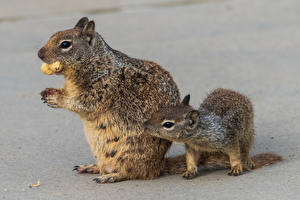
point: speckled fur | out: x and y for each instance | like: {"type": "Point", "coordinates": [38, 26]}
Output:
{"type": "Point", "coordinates": [114, 95]}
{"type": "Point", "coordinates": [222, 125]}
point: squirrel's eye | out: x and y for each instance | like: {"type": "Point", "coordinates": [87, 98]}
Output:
{"type": "Point", "coordinates": [168, 124]}
{"type": "Point", "coordinates": [65, 44]}
{"type": "Point", "coordinates": [192, 122]}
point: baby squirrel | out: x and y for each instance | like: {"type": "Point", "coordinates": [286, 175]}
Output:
{"type": "Point", "coordinates": [223, 123]}
{"type": "Point", "coordinates": [114, 95]}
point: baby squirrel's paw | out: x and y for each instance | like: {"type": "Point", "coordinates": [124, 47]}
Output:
{"type": "Point", "coordinates": [189, 174]}
{"type": "Point", "coordinates": [250, 164]}
{"type": "Point", "coordinates": [90, 169]}
{"type": "Point", "coordinates": [108, 178]}
{"type": "Point", "coordinates": [236, 170]}
{"type": "Point", "coordinates": [51, 97]}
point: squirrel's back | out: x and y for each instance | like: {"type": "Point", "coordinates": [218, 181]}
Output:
{"type": "Point", "coordinates": [220, 101]}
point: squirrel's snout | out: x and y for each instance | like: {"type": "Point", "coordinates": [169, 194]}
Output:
{"type": "Point", "coordinates": [147, 125]}
{"type": "Point", "coordinates": [41, 53]}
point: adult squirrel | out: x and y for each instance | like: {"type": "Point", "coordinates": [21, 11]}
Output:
{"type": "Point", "coordinates": [222, 126]}
{"type": "Point", "coordinates": [114, 95]}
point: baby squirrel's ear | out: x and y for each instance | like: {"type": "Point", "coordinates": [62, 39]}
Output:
{"type": "Point", "coordinates": [186, 100]}
{"type": "Point", "coordinates": [88, 31]}
{"type": "Point", "coordinates": [193, 117]}
{"type": "Point", "coordinates": [81, 23]}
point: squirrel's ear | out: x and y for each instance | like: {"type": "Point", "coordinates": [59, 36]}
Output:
{"type": "Point", "coordinates": [192, 117]}
{"type": "Point", "coordinates": [88, 31]}
{"type": "Point", "coordinates": [186, 100]}
{"type": "Point", "coordinates": [81, 23]}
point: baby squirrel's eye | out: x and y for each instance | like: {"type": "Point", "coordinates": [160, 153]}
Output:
{"type": "Point", "coordinates": [168, 124]}
{"type": "Point", "coordinates": [192, 122]}
{"type": "Point", "coordinates": [65, 44]}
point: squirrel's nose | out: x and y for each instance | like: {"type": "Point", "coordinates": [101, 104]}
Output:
{"type": "Point", "coordinates": [147, 123]}
{"type": "Point", "coordinates": [41, 53]}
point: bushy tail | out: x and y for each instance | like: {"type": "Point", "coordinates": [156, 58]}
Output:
{"type": "Point", "coordinates": [265, 159]}
{"type": "Point", "coordinates": [177, 164]}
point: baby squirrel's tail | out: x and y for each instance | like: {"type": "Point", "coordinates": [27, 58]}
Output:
{"type": "Point", "coordinates": [265, 159]}
{"type": "Point", "coordinates": [177, 164]}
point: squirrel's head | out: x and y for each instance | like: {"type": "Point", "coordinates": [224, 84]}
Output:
{"type": "Point", "coordinates": [72, 46]}
{"type": "Point", "coordinates": [173, 123]}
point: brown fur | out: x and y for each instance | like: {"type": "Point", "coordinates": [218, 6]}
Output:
{"type": "Point", "coordinates": [114, 95]}
{"type": "Point", "coordinates": [221, 130]}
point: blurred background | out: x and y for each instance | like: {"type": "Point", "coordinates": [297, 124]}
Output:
{"type": "Point", "coordinates": [251, 46]}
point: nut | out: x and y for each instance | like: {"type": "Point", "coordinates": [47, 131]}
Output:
{"type": "Point", "coordinates": [51, 68]}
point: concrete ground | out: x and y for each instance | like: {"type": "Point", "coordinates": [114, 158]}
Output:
{"type": "Point", "coordinates": [252, 46]}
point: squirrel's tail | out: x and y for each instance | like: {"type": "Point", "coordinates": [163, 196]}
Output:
{"type": "Point", "coordinates": [265, 159]}
{"type": "Point", "coordinates": [177, 164]}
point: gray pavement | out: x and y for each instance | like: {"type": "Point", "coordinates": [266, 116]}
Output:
{"type": "Point", "coordinates": [252, 46]}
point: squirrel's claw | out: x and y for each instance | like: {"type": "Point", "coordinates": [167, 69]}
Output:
{"type": "Point", "coordinates": [104, 179]}
{"type": "Point", "coordinates": [49, 91]}
{"type": "Point", "coordinates": [75, 168]}
{"type": "Point", "coordinates": [90, 169]}
{"type": "Point", "coordinates": [108, 178]}
{"type": "Point", "coordinates": [190, 174]}
{"type": "Point", "coordinates": [250, 164]}
{"type": "Point", "coordinates": [52, 105]}
{"type": "Point", "coordinates": [236, 170]}
{"type": "Point", "coordinates": [50, 97]}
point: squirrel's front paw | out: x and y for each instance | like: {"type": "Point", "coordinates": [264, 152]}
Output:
{"type": "Point", "coordinates": [90, 169]}
{"type": "Point", "coordinates": [51, 96]}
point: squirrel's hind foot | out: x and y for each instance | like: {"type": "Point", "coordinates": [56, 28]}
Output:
{"type": "Point", "coordinates": [109, 178]}
{"type": "Point", "coordinates": [250, 164]}
{"type": "Point", "coordinates": [236, 170]}
{"type": "Point", "coordinates": [189, 174]}
{"type": "Point", "coordinates": [90, 169]}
